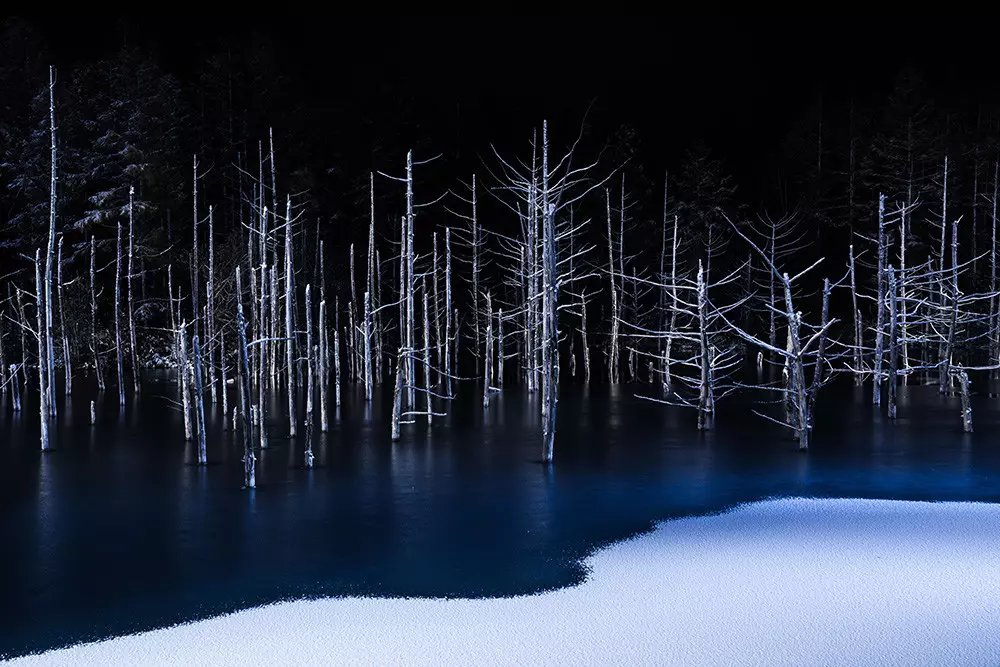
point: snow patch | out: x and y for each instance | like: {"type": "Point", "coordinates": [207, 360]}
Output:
{"type": "Point", "coordinates": [779, 582]}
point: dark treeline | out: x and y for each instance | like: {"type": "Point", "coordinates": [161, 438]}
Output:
{"type": "Point", "coordinates": [173, 211]}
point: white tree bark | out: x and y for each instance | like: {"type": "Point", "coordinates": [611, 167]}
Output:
{"type": "Point", "coordinates": [67, 362]}
{"type": "Point", "coordinates": [118, 317]}
{"type": "Point", "coordinates": [93, 321]}
{"type": "Point", "coordinates": [613, 345]}
{"type": "Point", "coordinates": [249, 460]}
{"type": "Point", "coordinates": [131, 307]}
{"type": "Point", "coordinates": [183, 369]}
{"type": "Point", "coordinates": [199, 402]}
{"type": "Point", "coordinates": [43, 372]}
{"type": "Point", "coordinates": [195, 258]}
{"type": "Point", "coordinates": [49, 347]}
{"type": "Point", "coordinates": [880, 305]}
{"type": "Point", "coordinates": [289, 331]}
{"type": "Point", "coordinates": [447, 308]}
{"type": "Point", "coordinates": [324, 367]}
{"type": "Point", "coordinates": [309, 356]}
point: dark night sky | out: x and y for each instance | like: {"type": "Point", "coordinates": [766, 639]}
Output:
{"type": "Point", "coordinates": [736, 83]}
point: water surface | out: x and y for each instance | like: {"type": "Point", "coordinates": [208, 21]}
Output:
{"type": "Point", "coordinates": [118, 531]}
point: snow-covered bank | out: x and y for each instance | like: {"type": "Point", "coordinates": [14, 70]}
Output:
{"type": "Point", "coordinates": [781, 582]}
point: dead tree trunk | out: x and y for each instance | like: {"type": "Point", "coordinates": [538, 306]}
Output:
{"type": "Point", "coordinates": [249, 460]}
{"type": "Point", "coordinates": [879, 306]}
{"type": "Point", "coordinates": [309, 379]}
{"type": "Point", "coordinates": [427, 355]}
{"type": "Point", "coordinates": [43, 372]}
{"type": "Point", "coordinates": [447, 308]}
{"type": "Point", "coordinates": [963, 383]}
{"type": "Point", "coordinates": [118, 318]}
{"type": "Point", "coordinates": [309, 357]}
{"type": "Point", "coordinates": [613, 349]}
{"type": "Point", "coordinates": [324, 366]}
{"type": "Point", "coordinates": [131, 306]}
{"type": "Point", "coordinates": [93, 321]}
{"type": "Point", "coordinates": [397, 395]}
{"type": "Point", "coordinates": [488, 356]}
{"type": "Point", "coordinates": [289, 330]}
{"type": "Point", "coordinates": [893, 342]}
{"type": "Point", "coordinates": [704, 389]}
{"type": "Point", "coordinates": [857, 352]}
{"type": "Point", "coordinates": [183, 369]}
{"type": "Point", "coordinates": [49, 347]}
{"type": "Point", "coordinates": [67, 362]}
{"type": "Point", "coordinates": [199, 402]}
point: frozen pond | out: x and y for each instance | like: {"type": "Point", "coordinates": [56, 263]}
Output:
{"type": "Point", "coordinates": [117, 531]}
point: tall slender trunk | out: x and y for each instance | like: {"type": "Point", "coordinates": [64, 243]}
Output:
{"type": "Point", "coordinates": [67, 362]}
{"type": "Point", "coordinates": [893, 342]}
{"type": "Point", "coordinates": [880, 305]}
{"type": "Point", "coordinates": [584, 347]}
{"type": "Point", "coordinates": [262, 366]}
{"type": "Point", "coordinates": [131, 306]}
{"type": "Point", "coordinates": [613, 347]}
{"type": "Point", "coordinates": [324, 366]}
{"type": "Point", "coordinates": [210, 315]}
{"type": "Point", "coordinates": [249, 460]}
{"type": "Point", "coordinates": [195, 259]}
{"type": "Point", "coordinates": [475, 272]}
{"type": "Point", "coordinates": [435, 278]}
{"type": "Point", "coordinates": [49, 348]}
{"type": "Point", "coordinates": [185, 373]}
{"type": "Point", "coordinates": [199, 402]}
{"type": "Point", "coordinates": [551, 324]}
{"type": "Point", "coordinates": [397, 395]}
{"type": "Point", "coordinates": [447, 308]}
{"type": "Point", "coordinates": [93, 320]}
{"type": "Point", "coordinates": [43, 372]}
{"type": "Point", "coordinates": [309, 378]}
{"type": "Point", "coordinates": [488, 354]}
{"type": "Point", "coordinates": [704, 413]}
{"type": "Point", "coordinates": [410, 282]}
{"type": "Point", "coordinates": [118, 318]}
{"type": "Point", "coordinates": [857, 352]}
{"type": "Point", "coordinates": [427, 355]}
{"type": "Point", "coordinates": [289, 330]}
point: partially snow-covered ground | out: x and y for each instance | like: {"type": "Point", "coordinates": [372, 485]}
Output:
{"type": "Point", "coordinates": [782, 582]}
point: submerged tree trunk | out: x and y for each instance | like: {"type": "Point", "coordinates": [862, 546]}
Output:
{"type": "Point", "coordinates": [289, 330]}
{"type": "Point", "coordinates": [324, 367]}
{"type": "Point", "coordinates": [118, 319]}
{"type": "Point", "coordinates": [199, 402]}
{"type": "Point", "coordinates": [131, 307]}
{"type": "Point", "coordinates": [613, 349]}
{"type": "Point", "coordinates": [48, 346]}
{"type": "Point", "coordinates": [880, 306]}
{"type": "Point", "coordinates": [893, 342]}
{"type": "Point", "coordinates": [963, 383]}
{"type": "Point", "coordinates": [43, 372]}
{"type": "Point", "coordinates": [93, 321]}
{"type": "Point", "coordinates": [856, 351]}
{"type": "Point", "coordinates": [397, 396]}
{"type": "Point", "coordinates": [67, 363]}
{"type": "Point", "coordinates": [249, 460]}
{"type": "Point", "coordinates": [185, 375]}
